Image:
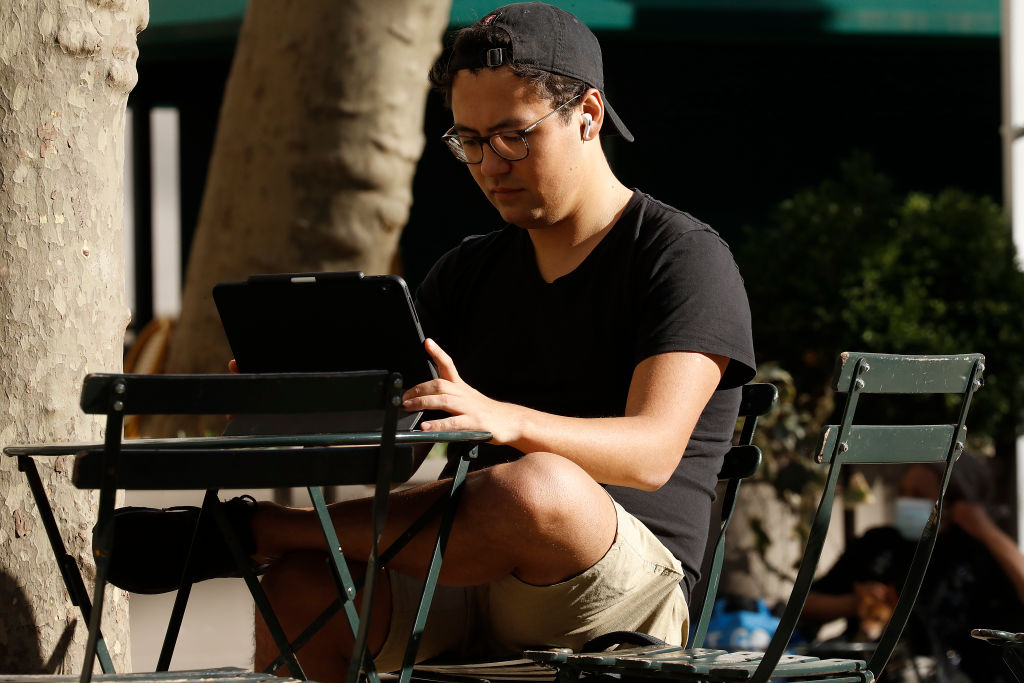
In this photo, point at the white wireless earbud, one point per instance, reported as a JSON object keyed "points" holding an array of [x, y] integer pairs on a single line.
{"points": [[590, 121]]}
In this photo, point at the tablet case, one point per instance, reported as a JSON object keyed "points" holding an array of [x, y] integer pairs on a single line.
{"points": [[322, 322]]}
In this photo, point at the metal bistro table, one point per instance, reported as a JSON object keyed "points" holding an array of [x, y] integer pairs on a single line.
{"points": [[382, 458]]}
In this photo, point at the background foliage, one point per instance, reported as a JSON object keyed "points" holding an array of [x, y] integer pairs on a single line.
{"points": [[850, 264], [853, 265]]}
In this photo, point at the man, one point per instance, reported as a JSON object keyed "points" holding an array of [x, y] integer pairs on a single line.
{"points": [[598, 337]]}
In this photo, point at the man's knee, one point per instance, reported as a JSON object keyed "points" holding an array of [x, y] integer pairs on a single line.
{"points": [[549, 492]]}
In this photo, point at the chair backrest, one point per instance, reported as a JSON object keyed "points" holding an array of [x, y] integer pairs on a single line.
{"points": [[128, 394], [740, 462], [118, 395], [848, 442]]}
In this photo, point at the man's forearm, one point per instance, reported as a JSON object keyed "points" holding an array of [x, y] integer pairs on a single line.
{"points": [[667, 394], [1007, 555], [822, 607], [641, 450], [637, 451]]}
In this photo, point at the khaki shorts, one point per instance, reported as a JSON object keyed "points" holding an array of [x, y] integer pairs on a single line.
{"points": [[635, 587]]}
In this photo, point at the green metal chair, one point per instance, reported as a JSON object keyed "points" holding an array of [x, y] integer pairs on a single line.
{"points": [[740, 462], [848, 442], [381, 457]]}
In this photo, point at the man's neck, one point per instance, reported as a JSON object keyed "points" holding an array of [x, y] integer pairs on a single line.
{"points": [[562, 247]]}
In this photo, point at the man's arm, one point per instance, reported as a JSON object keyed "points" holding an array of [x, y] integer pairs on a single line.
{"points": [[667, 394], [972, 518]]}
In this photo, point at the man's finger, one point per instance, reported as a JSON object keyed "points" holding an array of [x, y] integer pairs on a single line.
{"points": [[431, 388], [445, 365], [442, 425]]}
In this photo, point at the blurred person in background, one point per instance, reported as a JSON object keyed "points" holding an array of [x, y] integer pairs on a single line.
{"points": [[975, 579]]}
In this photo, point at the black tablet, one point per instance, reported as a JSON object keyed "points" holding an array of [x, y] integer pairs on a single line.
{"points": [[322, 322]]}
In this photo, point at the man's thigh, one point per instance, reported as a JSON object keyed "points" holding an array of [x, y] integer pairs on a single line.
{"points": [[634, 587], [454, 615]]}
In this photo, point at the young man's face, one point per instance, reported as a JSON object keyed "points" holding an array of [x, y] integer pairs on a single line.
{"points": [[541, 189]]}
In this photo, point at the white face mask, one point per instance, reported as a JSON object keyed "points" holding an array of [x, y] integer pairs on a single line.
{"points": [[911, 515]]}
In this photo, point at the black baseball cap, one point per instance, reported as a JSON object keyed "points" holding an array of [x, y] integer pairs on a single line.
{"points": [[546, 38]]}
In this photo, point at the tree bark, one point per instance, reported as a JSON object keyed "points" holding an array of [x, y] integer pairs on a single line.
{"points": [[66, 67], [318, 139]]}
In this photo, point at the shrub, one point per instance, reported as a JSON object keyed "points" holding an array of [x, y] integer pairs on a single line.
{"points": [[852, 265]]}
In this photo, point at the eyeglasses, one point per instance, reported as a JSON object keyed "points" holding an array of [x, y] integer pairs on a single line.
{"points": [[510, 145]]}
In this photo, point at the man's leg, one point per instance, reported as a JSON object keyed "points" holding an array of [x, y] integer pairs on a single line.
{"points": [[540, 519], [300, 588]]}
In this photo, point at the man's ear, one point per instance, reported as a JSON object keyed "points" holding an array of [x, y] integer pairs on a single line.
{"points": [[592, 115]]}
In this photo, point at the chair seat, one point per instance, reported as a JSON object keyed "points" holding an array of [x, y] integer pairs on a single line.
{"points": [[700, 664], [503, 670], [219, 675]]}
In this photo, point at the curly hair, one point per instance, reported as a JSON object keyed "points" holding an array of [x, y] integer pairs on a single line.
{"points": [[478, 39]]}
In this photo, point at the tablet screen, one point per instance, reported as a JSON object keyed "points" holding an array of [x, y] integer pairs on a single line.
{"points": [[324, 322]]}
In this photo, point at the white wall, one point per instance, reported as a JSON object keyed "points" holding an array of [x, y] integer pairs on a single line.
{"points": [[1013, 166], [166, 212]]}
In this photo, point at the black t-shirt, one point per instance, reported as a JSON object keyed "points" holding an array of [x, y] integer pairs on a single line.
{"points": [[658, 281], [964, 588]]}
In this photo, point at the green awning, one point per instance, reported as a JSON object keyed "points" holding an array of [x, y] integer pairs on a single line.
{"points": [[913, 17], [173, 21]]}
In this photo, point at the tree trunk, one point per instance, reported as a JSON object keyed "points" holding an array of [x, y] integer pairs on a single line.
{"points": [[318, 139], [66, 67]]}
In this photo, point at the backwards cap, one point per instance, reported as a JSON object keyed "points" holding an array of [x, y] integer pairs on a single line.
{"points": [[546, 38]]}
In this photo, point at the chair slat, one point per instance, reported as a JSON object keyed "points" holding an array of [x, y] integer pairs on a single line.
{"points": [[230, 393], [241, 468], [676, 660], [219, 675], [888, 444], [740, 462], [607, 658], [893, 374], [757, 398]]}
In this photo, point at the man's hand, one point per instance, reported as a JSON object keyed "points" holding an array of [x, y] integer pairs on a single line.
{"points": [[469, 409], [875, 603]]}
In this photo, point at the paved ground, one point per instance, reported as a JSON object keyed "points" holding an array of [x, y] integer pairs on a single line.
{"points": [[217, 629]]}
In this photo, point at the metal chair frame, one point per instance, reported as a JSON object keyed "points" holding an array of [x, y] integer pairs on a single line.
{"points": [[856, 374]]}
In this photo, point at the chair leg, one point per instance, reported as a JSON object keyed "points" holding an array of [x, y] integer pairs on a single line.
{"points": [[184, 587], [103, 546], [361, 661], [430, 582], [343, 578], [65, 562], [259, 597]]}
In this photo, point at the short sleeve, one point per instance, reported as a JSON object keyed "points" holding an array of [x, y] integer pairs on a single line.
{"points": [[693, 299]]}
